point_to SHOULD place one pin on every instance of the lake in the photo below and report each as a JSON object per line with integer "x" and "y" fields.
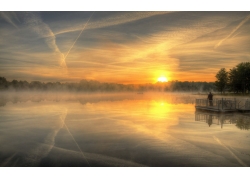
{"x": 122, "y": 129}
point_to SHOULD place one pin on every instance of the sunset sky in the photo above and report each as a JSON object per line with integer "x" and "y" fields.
{"x": 122, "y": 47}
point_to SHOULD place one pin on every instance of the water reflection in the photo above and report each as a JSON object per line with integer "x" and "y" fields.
{"x": 113, "y": 130}
{"x": 242, "y": 121}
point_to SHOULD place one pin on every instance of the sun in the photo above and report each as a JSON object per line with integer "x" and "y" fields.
{"x": 162, "y": 79}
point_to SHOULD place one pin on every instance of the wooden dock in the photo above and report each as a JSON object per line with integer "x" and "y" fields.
{"x": 223, "y": 105}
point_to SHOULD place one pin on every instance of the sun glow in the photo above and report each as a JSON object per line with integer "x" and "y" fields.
{"x": 162, "y": 79}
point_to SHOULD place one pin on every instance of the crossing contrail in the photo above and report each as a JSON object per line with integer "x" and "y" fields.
{"x": 35, "y": 22}
{"x": 42, "y": 150}
{"x": 78, "y": 36}
{"x": 76, "y": 143}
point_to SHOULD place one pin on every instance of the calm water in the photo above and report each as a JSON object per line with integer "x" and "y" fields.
{"x": 118, "y": 130}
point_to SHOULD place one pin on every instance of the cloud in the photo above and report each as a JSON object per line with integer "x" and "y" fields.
{"x": 10, "y": 17}
{"x": 147, "y": 56}
{"x": 136, "y": 60}
{"x": 233, "y": 31}
{"x": 78, "y": 36}
{"x": 34, "y": 21}
{"x": 125, "y": 47}
{"x": 112, "y": 20}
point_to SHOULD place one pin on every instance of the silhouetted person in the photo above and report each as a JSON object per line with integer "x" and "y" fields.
{"x": 210, "y": 98}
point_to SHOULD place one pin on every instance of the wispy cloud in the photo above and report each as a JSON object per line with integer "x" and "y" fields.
{"x": 125, "y": 47}
{"x": 233, "y": 31}
{"x": 149, "y": 55}
{"x": 34, "y": 21}
{"x": 78, "y": 36}
{"x": 125, "y": 17}
{"x": 8, "y": 16}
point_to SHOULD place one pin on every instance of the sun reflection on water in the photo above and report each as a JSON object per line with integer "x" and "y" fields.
{"x": 143, "y": 117}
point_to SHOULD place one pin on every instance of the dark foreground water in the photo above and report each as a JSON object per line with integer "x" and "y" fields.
{"x": 118, "y": 130}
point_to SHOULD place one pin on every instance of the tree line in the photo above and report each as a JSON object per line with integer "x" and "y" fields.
{"x": 95, "y": 86}
{"x": 236, "y": 80}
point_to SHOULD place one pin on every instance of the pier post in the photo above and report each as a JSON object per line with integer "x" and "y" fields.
{"x": 221, "y": 103}
{"x": 234, "y": 103}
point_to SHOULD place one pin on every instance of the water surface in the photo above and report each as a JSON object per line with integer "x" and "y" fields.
{"x": 150, "y": 129}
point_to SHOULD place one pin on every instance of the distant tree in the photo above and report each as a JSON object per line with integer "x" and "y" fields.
{"x": 3, "y": 83}
{"x": 36, "y": 85}
{"x": 14, "y": 84}
{"x": 222, "y": 80}
{"x": 95, "y": 86}
{"x": 23, "y": 85}
{"x": 239, "y": 78}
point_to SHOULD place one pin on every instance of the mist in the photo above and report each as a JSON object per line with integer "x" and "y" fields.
{"x": 90, "y": 86}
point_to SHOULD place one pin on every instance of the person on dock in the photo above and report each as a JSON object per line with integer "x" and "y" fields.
{"x": 210, "y": 98}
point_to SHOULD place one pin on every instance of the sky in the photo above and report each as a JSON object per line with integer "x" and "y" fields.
{"x": 129, "y": 47}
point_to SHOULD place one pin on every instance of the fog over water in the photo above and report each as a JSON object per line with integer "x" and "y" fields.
{"x": 118, "y": 129}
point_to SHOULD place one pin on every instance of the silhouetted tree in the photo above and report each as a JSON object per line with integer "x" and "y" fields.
{"x": 222, "y": 80}
{"x": 95, "y": 86}
{"x": 36, "y": 85}
{"x": 234, "y": 81}
{"x": 14, "y": 85}
{"x": 3, "y": 83}
{"x": 239, "y": 78}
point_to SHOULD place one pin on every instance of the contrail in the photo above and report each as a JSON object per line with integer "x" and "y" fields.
{"x": 76, "y": 143}
{"x": 239, "y": 160}
{"x": 9, "y": 159}
{"x": 235, "y": 29}
{"x": 78, "y": 36}
{"x": 34, "y": 21}
{"x": 8, "y": 19}
{"x": 63, "y": 118}
{"x": 50, "y": 139}
{"x": 42, "y": 150}
{"x": 111, "y": 21}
